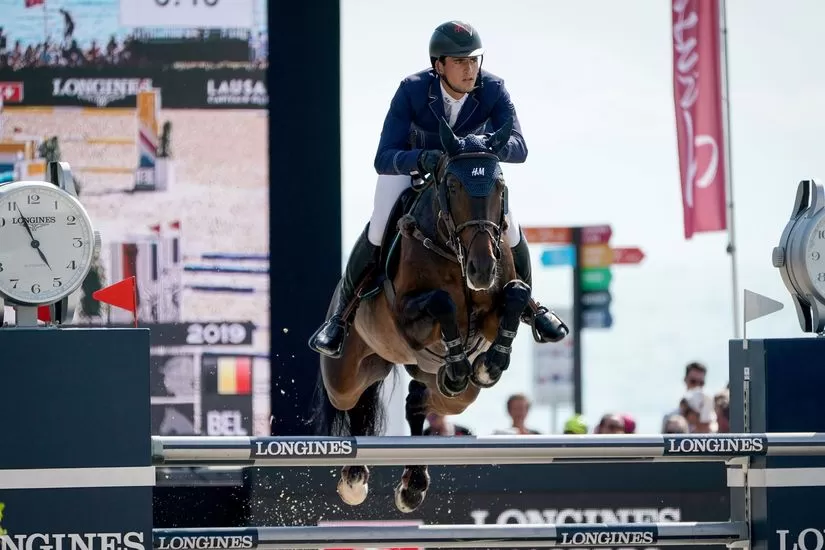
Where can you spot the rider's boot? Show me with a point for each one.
(547, 326)
(329, 338)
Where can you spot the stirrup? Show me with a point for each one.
(334, 320)
(532, 313)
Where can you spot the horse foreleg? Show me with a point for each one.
(353, 485)
(454, 376)
(489, 366)
(410, 492)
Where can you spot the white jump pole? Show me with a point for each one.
(590, 535)
(505, 449)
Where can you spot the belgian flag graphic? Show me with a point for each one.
(227, 375)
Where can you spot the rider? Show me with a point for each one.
(473, 101)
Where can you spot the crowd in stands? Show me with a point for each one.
(63, 52)
(67, 52)
(697, 412)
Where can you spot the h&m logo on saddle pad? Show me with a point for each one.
(477, 171)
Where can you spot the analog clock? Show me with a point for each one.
(800, 256)
(47, 243)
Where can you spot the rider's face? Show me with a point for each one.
(460, 72)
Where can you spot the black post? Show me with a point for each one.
(304, 270)
(577, 319)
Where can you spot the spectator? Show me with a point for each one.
(575, 425)
(695, 373)
(676, 424)
(697, 408)
(610, 424)
(721, 407)
(517, 407)
(439, 425)
(629, 424)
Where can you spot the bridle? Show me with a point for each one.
(445, 225)
(449, 232)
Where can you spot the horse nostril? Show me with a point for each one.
(471, 268)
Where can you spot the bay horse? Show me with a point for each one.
(446, 306)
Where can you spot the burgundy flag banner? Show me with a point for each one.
(697, 88)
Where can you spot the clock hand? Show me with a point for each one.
(25, 223)
(43, 257)
(35, 242)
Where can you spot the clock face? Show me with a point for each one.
(815, 256)
(46, 243)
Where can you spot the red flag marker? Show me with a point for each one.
(44, 314)
(122, 295)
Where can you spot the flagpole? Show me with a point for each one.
(731, 248)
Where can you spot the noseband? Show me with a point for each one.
(479, 227)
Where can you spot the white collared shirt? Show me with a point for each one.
(451, 106)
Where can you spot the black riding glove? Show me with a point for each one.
(427, 161)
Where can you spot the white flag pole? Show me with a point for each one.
(731, 248)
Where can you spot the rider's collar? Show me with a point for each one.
(448, 98)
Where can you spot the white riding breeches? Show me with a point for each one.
(389, 189)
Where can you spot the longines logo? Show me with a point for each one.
(100, 91)
(306, 447)
(807, 539)
(559, 516)
(34, 222)
(721, 445)
(205, 543)
(73, 541)
(633, 537)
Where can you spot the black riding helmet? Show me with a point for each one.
(455, 39)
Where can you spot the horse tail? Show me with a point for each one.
(367, 417)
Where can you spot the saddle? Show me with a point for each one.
(390, 253)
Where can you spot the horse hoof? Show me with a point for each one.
(353, 487)
(449, 388)
(484, 375)
(411, 491)
(408, 500)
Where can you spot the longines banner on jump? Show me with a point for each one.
(506, 494)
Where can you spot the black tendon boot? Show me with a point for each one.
(546, 325)
(329, 338)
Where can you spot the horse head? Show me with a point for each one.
(472, 201)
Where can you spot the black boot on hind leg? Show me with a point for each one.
(410, 492)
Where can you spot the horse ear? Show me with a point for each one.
(448, 139)
(500, 138)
